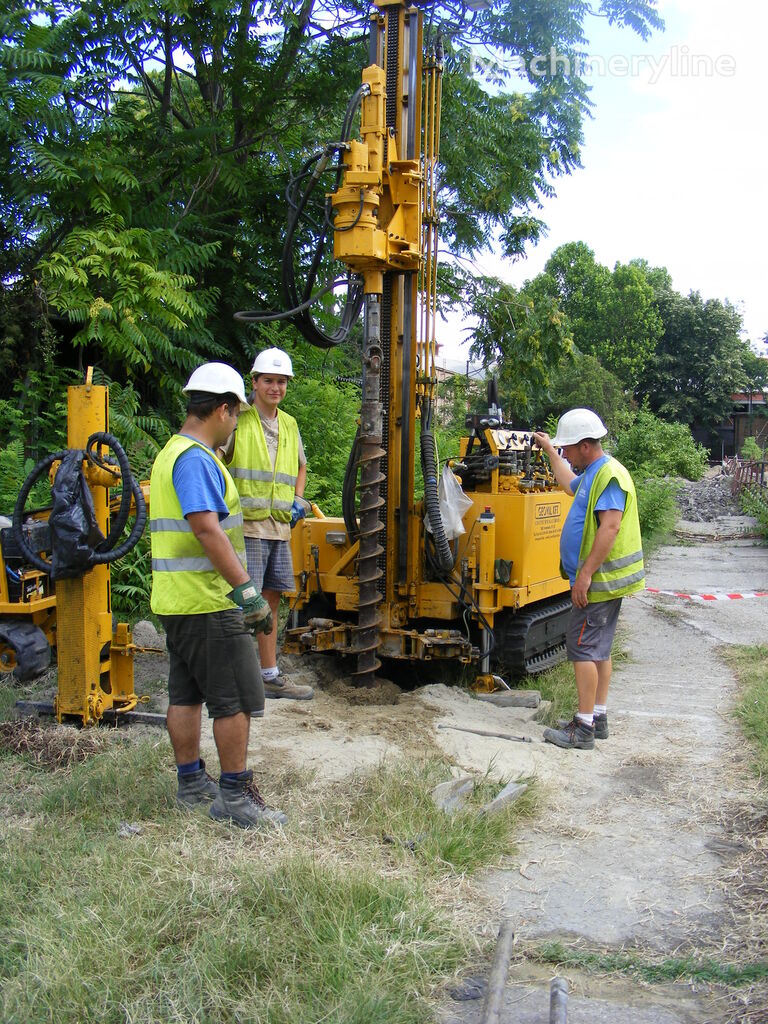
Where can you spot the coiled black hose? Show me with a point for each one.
(444, 558)
(300, 299)
(105, 551)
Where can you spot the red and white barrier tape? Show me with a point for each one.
(709, 597)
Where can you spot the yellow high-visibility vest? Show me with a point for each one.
(184, 581)
(622, 572)
(265, 490)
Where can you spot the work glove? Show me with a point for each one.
(256, 611)
(298, 511)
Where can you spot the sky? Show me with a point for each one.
(675, 162)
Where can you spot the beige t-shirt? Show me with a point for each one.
(266, 529)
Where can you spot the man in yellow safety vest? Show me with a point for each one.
(207, 603)
(601, 553)
(267, 462)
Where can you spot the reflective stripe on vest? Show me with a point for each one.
(184, 581)
(265, 491)
(622, 572)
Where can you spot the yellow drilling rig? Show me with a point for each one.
(386, 580)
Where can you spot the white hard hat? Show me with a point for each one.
(216, 379)
(578, 425)
(273, 360)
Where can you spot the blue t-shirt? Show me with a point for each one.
(199, 483)
(573, 528)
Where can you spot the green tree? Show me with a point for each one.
(698, 362)
(582, 382)
(612, 314)
(142, 190)
(523, 333)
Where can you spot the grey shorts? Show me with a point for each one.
(270, 565)
(213, 662)
(591, 631)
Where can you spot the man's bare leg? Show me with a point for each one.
(604, 670)
(268, 641)
(587, 676)
(183, 725)
(231, 736)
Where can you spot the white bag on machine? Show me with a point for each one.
(453, 505)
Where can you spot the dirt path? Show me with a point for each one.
(642, 844)
(651, 843)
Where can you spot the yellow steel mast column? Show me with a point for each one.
(88, 684)
(378, 235)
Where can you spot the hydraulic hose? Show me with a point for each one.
(105, 551)
(444, 557)
(349, 490)
(300, 299)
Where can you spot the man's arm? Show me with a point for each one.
(218, 547)
(563, 472)
(609, 522)
(301, 481)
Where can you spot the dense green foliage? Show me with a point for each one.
(751, 450)
(150, 144)
(581, 334)
(652, 447)
(754, 502)
(524, 326)
(612, 314)
(582, 382)
(698, 362)
(657, 509)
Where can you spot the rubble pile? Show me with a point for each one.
(703, 501)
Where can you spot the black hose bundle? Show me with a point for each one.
(349, 490)
(443, 558)
(301, 299)
(77, 544)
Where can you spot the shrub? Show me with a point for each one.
(754, 502)
(656, 508)
(751, 450)
(652, 448)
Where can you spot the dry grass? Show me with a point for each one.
(50, 746)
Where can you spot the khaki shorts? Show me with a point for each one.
(213, 662)
(591, 631)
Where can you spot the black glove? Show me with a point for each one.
(256, 611)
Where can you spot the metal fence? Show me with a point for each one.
(746, 473)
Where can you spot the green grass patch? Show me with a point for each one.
(396, 807)
(557, 686)
(750, 664)
(347, 915)
(671, 969)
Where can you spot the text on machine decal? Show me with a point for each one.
(548, 511)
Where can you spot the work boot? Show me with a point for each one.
(600, 723)
(197, 789)
(575, 736)
(240, 802)
(282, 686)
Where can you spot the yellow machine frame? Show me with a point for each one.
(95, 659)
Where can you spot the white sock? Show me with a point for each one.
(584, 719)
(601, 709)
(268, 674)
